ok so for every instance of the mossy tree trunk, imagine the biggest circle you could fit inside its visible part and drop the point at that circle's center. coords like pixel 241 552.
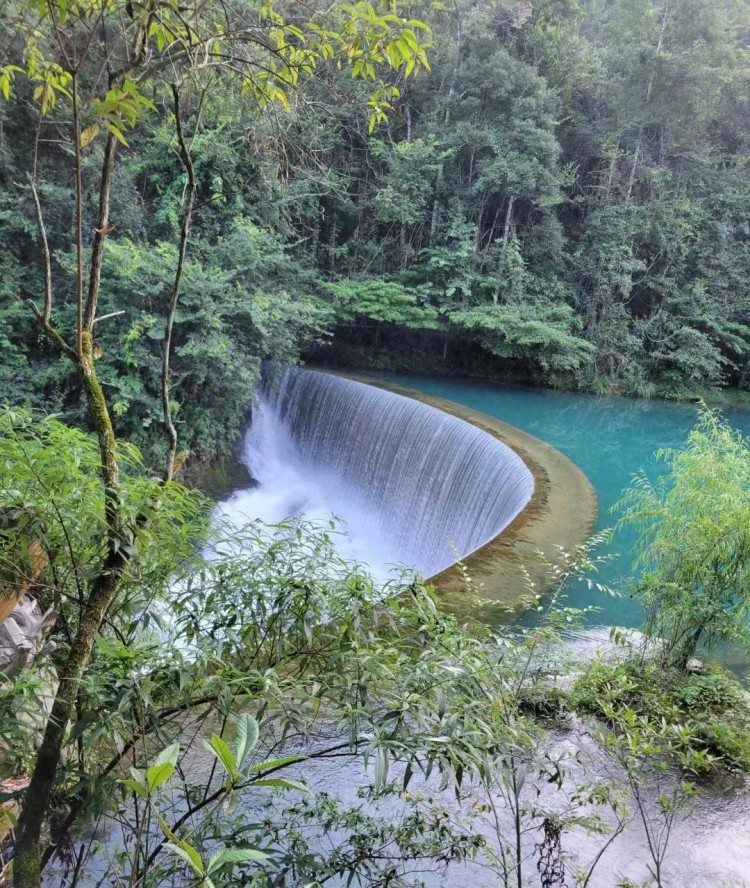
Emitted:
pixel 120 547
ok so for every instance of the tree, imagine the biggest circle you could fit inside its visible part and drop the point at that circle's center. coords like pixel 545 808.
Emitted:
pixel 602 148
pixel 695 541
pixel 382 301
pixel 599 147
pixel 107 63
pixel 265 650
pixel 541 333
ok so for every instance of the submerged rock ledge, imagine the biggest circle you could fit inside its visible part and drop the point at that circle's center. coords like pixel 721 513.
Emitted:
pixel 561 513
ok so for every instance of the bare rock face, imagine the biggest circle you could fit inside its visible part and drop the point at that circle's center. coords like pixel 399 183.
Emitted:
pixel 22 640
pixel 22 635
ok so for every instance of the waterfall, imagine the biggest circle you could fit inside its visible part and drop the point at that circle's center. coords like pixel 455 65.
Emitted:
pixel 413 486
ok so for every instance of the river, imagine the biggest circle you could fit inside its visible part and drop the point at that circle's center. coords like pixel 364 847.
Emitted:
pixel 611 439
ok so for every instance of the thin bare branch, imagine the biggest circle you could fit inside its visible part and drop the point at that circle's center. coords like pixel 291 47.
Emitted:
pixel 78 217
pixel 106 317
pixel 188 203
pixel 44 253
pixel 100 232
pixel 51 332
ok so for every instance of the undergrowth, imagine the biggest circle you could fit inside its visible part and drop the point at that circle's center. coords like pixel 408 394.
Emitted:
pixel 711 704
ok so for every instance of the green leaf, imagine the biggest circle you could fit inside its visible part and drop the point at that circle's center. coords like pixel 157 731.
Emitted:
pixel 218 747
pixel 135 787
pixel 275 763
pixel 117 133
pixel 156 775
pixel 185 851
pixel 168 755
pixel 228 856
pixel 281 783
pixel 245 737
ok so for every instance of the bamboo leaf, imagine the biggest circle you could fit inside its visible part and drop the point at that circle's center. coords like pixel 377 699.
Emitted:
pixel 281 783
pixel 219 748
pixel 156 775
pixel 228 856
pixel 186 852
pixel 275 763
pixel 245 737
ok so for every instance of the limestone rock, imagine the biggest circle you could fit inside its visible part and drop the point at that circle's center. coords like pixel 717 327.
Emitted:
pixel 22 635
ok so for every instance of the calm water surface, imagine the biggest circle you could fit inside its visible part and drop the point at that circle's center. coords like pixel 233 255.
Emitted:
pixel 611 439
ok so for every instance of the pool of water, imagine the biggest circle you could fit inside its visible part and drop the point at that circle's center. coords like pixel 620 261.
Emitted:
pixel 611 439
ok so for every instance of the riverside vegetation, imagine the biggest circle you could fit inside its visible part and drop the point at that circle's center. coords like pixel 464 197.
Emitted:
pixel 149 273
pixel 214 682
pixel 562 199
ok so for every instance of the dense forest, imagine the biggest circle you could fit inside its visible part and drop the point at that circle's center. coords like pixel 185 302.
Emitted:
pixel 536 191
pixel 561 199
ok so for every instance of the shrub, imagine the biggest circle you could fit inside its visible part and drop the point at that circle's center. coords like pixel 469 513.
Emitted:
pixel 711 705
pixel 694 543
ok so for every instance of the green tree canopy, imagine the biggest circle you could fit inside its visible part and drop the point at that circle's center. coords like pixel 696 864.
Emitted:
pixel 695 541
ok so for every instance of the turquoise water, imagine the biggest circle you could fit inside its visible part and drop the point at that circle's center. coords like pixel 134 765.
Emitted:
pixel 611 439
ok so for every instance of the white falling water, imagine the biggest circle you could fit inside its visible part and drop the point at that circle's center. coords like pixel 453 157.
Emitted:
pixel 411 485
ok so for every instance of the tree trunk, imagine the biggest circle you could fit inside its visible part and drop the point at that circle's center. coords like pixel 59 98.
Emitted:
pixel 612 166
pixel 478 232
pixel 508 222
pixel 436 206
pixel 402 234
pixel 188 202
pixel 100 232
pixel 27 856
pixel 120 541
pixel 493 227
pixel 666 15
pixel 631 177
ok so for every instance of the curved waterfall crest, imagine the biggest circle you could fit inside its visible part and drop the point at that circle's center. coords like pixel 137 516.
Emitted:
pixel 414 486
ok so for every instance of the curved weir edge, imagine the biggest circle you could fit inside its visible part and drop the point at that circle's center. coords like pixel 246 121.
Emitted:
pixel 562 513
